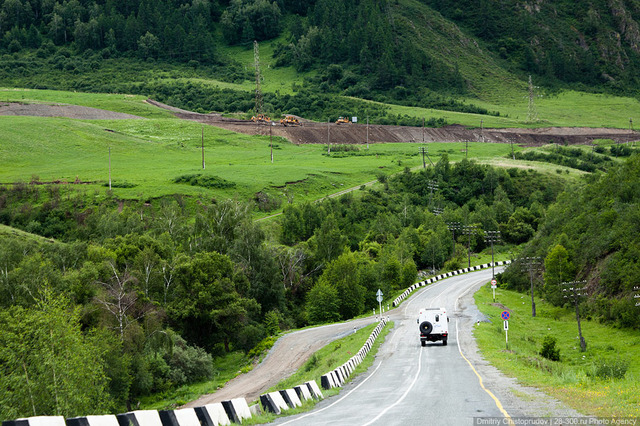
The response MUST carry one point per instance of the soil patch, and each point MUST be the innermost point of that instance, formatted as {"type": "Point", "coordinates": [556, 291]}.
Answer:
{"type": "Point", "coordinates": [61, 110]}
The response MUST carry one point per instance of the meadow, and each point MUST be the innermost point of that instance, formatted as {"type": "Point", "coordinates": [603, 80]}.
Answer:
{"type": "Point", "coordinates": [148, 155]}
{"type": "Point", "coordinates": [588, 381]}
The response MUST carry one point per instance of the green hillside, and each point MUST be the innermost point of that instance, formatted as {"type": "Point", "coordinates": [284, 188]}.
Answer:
{"type": "Point", "coordinates": [177, 247]}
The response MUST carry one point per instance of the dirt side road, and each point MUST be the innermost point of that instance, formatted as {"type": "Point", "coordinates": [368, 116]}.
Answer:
{"type": "Point", "coordinates": [289, 353]}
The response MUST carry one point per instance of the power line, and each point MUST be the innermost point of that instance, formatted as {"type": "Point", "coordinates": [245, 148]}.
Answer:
{"type": "Point", "coordinates": [572, 290]}
{"type": "Point", "coordinates": [492, 237]}
{"type": "Point", "coordinates": [453, 227]}
{"type": "Point", "coordinates": [256, 63]}
{"type": "Point", "coordinates": [469, 230]}
{"type": "Point", "coordinates": [533, 264]}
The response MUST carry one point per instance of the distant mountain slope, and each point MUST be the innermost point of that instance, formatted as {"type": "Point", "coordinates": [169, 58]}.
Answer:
{"type": "Point", "coordinates": [406, 51]}
{"type": "Point", "coordinates": [589, 42]}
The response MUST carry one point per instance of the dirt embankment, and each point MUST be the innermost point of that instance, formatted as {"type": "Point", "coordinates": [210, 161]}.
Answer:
{"type": "Point", "coordinates": [312, 132]}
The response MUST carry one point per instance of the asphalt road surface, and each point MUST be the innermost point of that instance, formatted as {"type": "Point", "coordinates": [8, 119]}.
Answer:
{"type": "Point", "coordinates": [435, 385]}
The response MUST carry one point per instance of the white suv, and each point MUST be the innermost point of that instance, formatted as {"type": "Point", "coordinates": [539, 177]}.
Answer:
{"type": "Point", "coordinates": [434, 325]}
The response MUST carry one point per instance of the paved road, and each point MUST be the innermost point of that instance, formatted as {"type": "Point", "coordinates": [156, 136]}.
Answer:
{"type": "Point", "coordinates": [413, 385]}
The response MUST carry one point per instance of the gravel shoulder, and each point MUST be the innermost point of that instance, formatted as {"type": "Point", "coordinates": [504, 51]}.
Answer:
{"type": "Point", "coordinates": [518, 400]}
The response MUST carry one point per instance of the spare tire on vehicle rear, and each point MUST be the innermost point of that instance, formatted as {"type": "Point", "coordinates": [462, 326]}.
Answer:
{"type": "Point", "coordinates": [426, 327]}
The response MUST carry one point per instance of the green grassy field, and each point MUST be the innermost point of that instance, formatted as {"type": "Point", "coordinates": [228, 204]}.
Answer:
{"type": "Point", "coordinates": [576, 379]}
{"type": "Point", "coordinates": [148, 154]}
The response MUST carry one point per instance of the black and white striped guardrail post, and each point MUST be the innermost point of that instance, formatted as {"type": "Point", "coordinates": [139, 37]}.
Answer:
{"type": "Point", "coordinates": [36, 421]}
{"type": "Point", "coordinates": [182, 417]}
{"type": "Point", "coordinates": [139, 418]}
{"type": "Point", "coordinates": [273, 402]}
{"type": "Point", "coordinates": [237, 409]}
{"type": "Point", "coordinates": [212, 415]}
{"type": "Point", "coordinates": [291, 398]}
{"type": "Point", "coordinates": [314, 389]}
{"type": "Point", "coordinates": [102, 420]}
{"type": "Point", "coordinates": [303, 392]}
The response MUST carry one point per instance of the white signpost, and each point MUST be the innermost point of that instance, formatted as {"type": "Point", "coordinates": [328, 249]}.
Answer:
{"type": "Point", "coordinates": [379, 299]}
{"type": "Point", "coordinates": [505, 316]}
{"type": "Point", "coordinates": [493, 287]}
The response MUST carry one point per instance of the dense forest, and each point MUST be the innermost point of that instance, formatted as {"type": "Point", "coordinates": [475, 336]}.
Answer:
{"type": "Point", "coordinates": [157, 289]}
{"type": "Point", "coordinates": [403, 52]}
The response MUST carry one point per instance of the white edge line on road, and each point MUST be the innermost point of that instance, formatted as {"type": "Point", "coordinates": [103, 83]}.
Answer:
{"type": "Point", "coordinates": [403, 395]}
{"type": "Point", "coordinates": [329, 406]}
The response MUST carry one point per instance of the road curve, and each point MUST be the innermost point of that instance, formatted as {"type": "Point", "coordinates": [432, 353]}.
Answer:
{"type": "Point", "coordinates": [413, 385]}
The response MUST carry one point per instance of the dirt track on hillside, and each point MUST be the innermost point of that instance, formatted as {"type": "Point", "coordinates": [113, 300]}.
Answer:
{"type": "Point", "coordinates": [311, 132]}
{"type": "Point", "coordinates": [61, 110]}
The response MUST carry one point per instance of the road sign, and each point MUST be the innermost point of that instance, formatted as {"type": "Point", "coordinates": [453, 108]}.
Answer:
{"type": "Point", "coordinates": [494, 283]}
{"type": "Point", "coordinates": [379, 296]}
{"type": "Point", "coordinates": [506, 325]}
{"type": "Point", "coordinates": [505, 315]}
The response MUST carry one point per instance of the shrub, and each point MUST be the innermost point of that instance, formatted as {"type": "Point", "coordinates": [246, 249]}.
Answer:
{"type": "Point", "coordinates": [610, 369]}
{"type": "Point", "coordinates": [204, 181]}
{"type": "Point", "coordinates": [261, 347]}
{"type": "Point", "coordinates": [549, 349]}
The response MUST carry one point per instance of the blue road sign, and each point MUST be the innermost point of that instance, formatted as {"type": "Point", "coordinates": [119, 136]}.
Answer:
{"type": "Point", "coordinates": [505, 315]}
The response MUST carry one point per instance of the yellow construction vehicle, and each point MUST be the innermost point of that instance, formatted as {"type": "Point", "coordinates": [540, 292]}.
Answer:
{"type": "Point", "coordinates": [261, 118]}
{"type": "Point", "coordinates": [342, 120]}
{"type": "Point", "coordinates": [290, 120]}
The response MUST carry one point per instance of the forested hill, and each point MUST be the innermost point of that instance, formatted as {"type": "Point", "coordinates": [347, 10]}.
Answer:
{"type": "Point", "coordinates": [404, 49]}
{"type": "Point", "coordinates": [591, 234]}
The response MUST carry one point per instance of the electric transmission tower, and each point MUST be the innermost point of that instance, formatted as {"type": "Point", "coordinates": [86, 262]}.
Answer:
{"type": "Point", "coordinates": [256, 62]}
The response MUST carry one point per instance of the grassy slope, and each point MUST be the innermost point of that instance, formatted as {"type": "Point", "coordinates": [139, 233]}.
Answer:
{"type": "Point", "coordinates": [150, 153]}
{"type": "Point", "coordinates": [130, 104]}
{"type": "Point", "coordinates": [567, 380]}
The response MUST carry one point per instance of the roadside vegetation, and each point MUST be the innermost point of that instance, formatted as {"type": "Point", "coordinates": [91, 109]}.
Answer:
{"type": "Point", "coordinates": [545, 352]}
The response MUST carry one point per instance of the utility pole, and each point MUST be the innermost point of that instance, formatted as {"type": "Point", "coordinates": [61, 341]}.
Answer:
{"type": "Point", "coordinates": [422, 150]}
{"type": "Point", "coordinates": [492, 237]}
{"type": "Point", "coordinates": [532, 114]}
{"type": "Point", "coordinates": [433, 186]}
{"type": "Point", "coordinates": [367, 132]}
{"type": "Point", "coordinates": [572, 291]}
{"type": "Point", "coordinates": [533, 264]}
{"type": "Point", "coordinates": [109, 168]}
{"type": "Point", "coordinates": [453, 227]}
{"type": "Point", "coordinates": [271, 140]}
{"type": "Point", "coordinates": [202, 147]}
{"type": "Point", "coordinates": [423, 133]}
{"type": "Point", "coordinates": [637, 295]}
{"type": "Point", "coordinates": [466, 149]}
{"type": "Point", "coordinates": [469, 230]}
{"type": "Point", "coordinates": [328, 143]}
{"type": "Point", "coordinates": [482, 129]}
{"type": "Point", "coordinates": [437, 211]}
{"type": "Point", "coordinates": [256, 64]}
{"type": "Point", "coordinates": [513, 155]}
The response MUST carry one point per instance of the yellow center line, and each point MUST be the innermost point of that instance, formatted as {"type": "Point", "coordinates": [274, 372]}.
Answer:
{"type": "Point", "coordinates": [497, 401]}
